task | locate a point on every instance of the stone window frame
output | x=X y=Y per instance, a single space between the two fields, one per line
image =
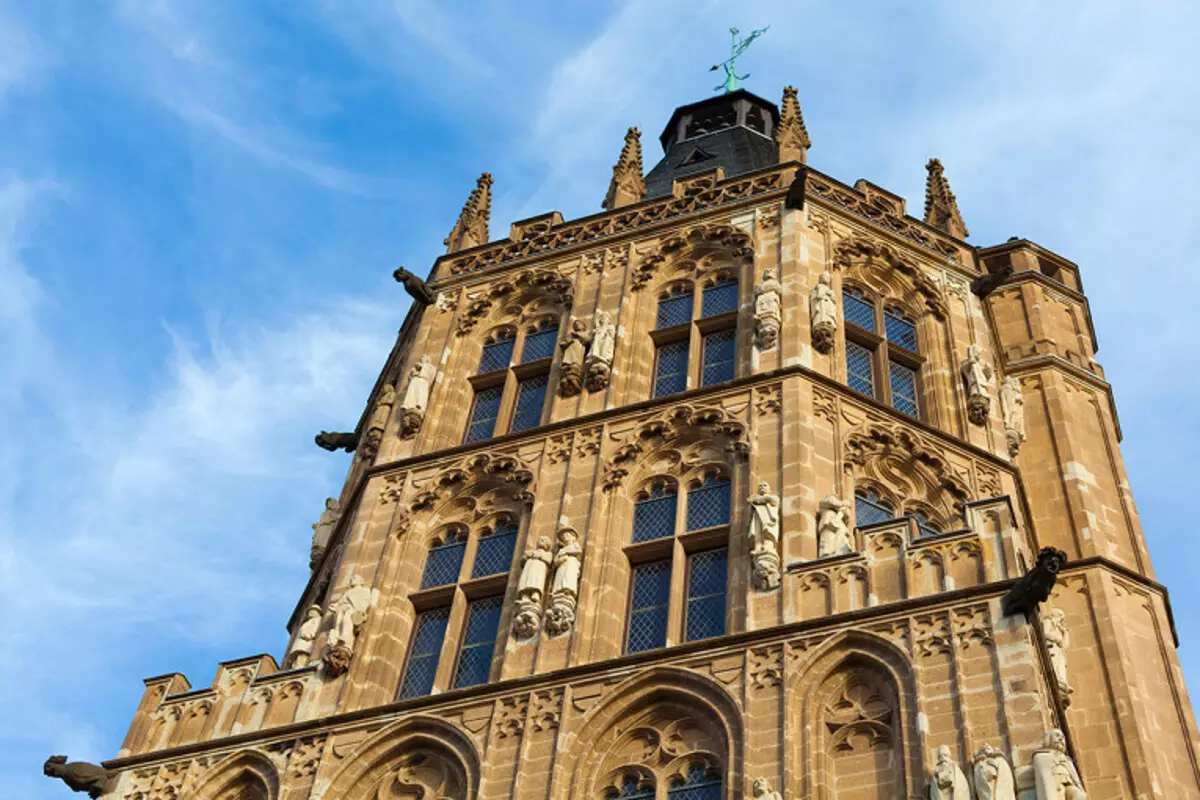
x=509 y=379
x=698 y=327
x=885 y=352
x=927 y=520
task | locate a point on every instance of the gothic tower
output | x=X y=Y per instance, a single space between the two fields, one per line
x=751 y=485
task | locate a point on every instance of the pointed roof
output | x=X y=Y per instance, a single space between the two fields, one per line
x=472 y=226
x=941 y=208
x=791 y=135
x=628 y=184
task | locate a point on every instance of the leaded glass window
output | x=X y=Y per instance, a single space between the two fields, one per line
x=924 y=526
x=900 y=331
x=531 y=397
x=719 y=352
x=869 y=509
x=495 y=550
x=904 y=389
x=857 y=310
x=675 y=308
x=541 y=343
x=700 y=784
x=484 y=413
x=444 y=562
x=479 y=642
x=648 y=605
x=705 y=616
x=632 y=788
x=670 y=373
x=428 y=634
x=654 y=515
x=859 y=370
x=720 y=298
x=498 y=353
x=708 y=504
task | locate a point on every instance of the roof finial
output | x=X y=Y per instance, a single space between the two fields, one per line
x=791 y=135
x=941 y=209
x=628 y=185
x=736 y=48
x=472 y=226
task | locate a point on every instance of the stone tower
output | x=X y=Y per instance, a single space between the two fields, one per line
x=752 y=485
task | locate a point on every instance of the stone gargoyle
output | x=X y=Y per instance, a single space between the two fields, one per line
x=415 y=287
x=1034 y=586
x=331 y=441
x=79 y=776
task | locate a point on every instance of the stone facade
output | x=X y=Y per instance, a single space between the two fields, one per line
x=843 y=679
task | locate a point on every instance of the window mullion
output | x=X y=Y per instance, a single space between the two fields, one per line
x=678 y=602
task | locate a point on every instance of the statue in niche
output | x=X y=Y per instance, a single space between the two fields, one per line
x=574 y=349
x=416 y=396
x=1054 y=773
x=332 y=441
x=564 y=592
x=415 y=287
x=823 y=314
x=1058 y=639
x=600 y=352
x=79 y=776
x=349 y=613
x=379 y=419
x=535 y=568
x=323 y=531
x=762 y=790
x=767 y=309
x=1012 y=407
x=993 y=775
x=978 y=379
x=764 y=533
x=834 y=537
x=949 y=782
x=301 y=652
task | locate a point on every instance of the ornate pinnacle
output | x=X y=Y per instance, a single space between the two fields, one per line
x=472 y=226
x=791 y=135
x=628 y=184
x=941 y=209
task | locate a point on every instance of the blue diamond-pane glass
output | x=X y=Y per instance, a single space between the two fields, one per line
x=484 y=413
x=700 y=785
x=868 y=511
x=708 y=504
x=429 y=633
x=530 y=399
x=719 y=350
x=475 y=658
x=858 y=311
x=497 y=355
x=707 y=572
x=674 y=310
x=859 y=370
x=904 y=389
x=670 y=374
x=925 y=527
x=631 y=789
x=539 y=345
x=900 y=331
x=495 y=552
x=654 y=518
x=719 y=298
x=648 y=606
x=443 y=564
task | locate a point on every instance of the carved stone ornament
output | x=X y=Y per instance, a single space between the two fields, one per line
x=993 y=775
x=415 y=287
x=416 y=396
x=675 y=425
x=721 y=237
x=768 y=315
x=764 y=536
x=301 y=651
x=574 y=347
x=978 y=380
x=948 y=781
x=834 y=536
x=79 y=776
x=379 y=418
x=535 y=568
x=822 y=309
x=598 y=367
x=323 y=531
x=1012 y=407
x=1058 y=639
x=349 y=613
x=761 y=790
x=1054 y=774
x=1035 y=585
x=564 y=592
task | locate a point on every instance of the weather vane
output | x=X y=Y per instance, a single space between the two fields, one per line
x=736 y=48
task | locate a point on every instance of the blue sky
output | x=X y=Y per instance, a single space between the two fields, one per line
x=202 y=201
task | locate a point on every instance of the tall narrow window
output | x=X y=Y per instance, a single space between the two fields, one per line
x=904 y=388
x=719 y=352
x=708 y=503
x=869 y=509
x=859 y=368
x=495 y=550
x=886 y=367
x=654 y=514
x=705 y=325
x=444 y=562
x=700 y=784
x=531 y=398
x=719 y=298
x=428 y=634
x=479 y=642
x=484 y=413
x=670 y=374
x=675 y=307
x=705 y=616
x=540 y=342
x=858 y=310
x=497 y=353
x=648 y=606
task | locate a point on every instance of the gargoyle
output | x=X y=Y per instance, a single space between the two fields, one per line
x=415 y=287
x=986 y=284
x=1035 y=585
x=330 y=441
x=795 y=192
x=79 y=776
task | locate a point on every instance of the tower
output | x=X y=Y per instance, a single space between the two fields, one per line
x=752 y=485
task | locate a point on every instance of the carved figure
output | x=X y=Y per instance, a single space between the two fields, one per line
x=331 y=441
x=79 y=776
x=763 y=791
x=574 y=353
x=834 y=537
x=1058 y=639
x=1035 y=585
x=323 y=530
x=1012 y=407
x=349 y=613
x=823 y=313
x=535 y=568
x=978 y=379
x=379 y=419
x=949 y=782
x=767 y=313
x=415 y=287
x=1054 y=773
x=764 y=533
x=416 y=396
x=302 y=647
x=564 y=592
x=993 y=775
x=600 y=352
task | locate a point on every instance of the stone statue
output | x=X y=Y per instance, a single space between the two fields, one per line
x=330 y=441
x=535 y=568
x=416 y=396
x=823 y=314
x=767 y=309
x=415 y=287
x=564 y=592
x=79 y=776
x=949 y=782
x=978 y=379
x=379 y=419
x=1035 y=585
x=1058 y=639
x=600 y=352
x=323 y=530
x=1054 y=773
x=763 y=791
x=574 y=349
x=834 y=537
x=349 y=613
x=764 y=533
x=301 y=652
x=993 y=775
x=1012 y=407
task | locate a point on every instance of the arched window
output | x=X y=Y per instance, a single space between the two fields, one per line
x=495 y=550
x=634 y=787
x=700 y=783
x=870 y=510
x=444 y=561
x=654 y=513
x=924 y=526
x=708 y=503
x=675 y=306
x=720 y=297
x=706 y=325
x=537 y=343
x=540 y=341
x=883 y=358
x=497 y=350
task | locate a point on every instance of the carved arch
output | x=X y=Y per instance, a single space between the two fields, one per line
x=532 y=292
x=689 y=247
x=248 y=775
x=679 y=439
x=882 y=270
x=898 y=464
x=481 y=484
